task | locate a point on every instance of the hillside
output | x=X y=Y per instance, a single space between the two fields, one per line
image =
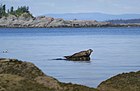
x=94 y=16
x=122 y=82
x=124 y=21
x=16 y=75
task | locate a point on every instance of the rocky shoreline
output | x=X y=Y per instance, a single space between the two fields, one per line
x=27 y=21
x=16 y=75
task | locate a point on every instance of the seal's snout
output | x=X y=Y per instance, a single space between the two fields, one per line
x=90 y=50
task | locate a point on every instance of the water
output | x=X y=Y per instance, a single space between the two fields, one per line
x=115 y=50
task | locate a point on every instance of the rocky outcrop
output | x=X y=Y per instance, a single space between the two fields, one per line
x=26 y=20
x=80 y=56
x=122 y=82
x=9 y=82
x=26 y=70
x=16 y=75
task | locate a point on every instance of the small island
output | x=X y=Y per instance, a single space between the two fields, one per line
x=22 y=18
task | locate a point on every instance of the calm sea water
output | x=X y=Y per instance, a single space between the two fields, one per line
x=115 y=50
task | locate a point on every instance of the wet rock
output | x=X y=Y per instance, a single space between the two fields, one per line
x=80 y=56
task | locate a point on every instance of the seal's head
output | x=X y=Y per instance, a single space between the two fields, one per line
x=90 y=51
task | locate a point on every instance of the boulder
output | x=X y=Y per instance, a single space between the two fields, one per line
x=41 y=21
x=80 y=56
x=57 y=23
x=25 y=17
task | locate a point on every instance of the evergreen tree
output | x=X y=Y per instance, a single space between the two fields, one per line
x=1 y=11
x=19 y=11
x=8 y=11
x=12 y=9
x=4 y=8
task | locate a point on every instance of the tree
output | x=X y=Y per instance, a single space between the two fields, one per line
x=19 y=11
x=8 y=11
x=12 y=9
x=1 y=11
x=4 y=10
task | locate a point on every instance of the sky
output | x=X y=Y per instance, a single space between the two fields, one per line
x=41 y=7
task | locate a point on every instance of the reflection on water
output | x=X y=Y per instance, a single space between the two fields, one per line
x=115 y=50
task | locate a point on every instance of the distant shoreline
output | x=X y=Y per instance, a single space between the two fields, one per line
x=112 y=26
x=22 y=18
x=26 y=21
x=101 y=26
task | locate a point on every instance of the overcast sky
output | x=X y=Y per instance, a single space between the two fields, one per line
x=40 y=7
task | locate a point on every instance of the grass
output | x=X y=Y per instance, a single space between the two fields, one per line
x=16 y=75
x=122 y=82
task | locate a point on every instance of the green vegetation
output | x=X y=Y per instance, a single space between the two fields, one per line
x=75 y=87
x=9 y=82
x=19 y=11
x=122 y=82
x=122 y=21
x=16 y=75
x=3 y=10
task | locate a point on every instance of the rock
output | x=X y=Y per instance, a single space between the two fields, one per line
x=25 y=17
x=84 y=23
x=122 y=82
x=11 y=17
x=80 y=56
x=25 y=69
x=59 y=23
x=27 y=20
x=41 y=21
x=16 y=67
x=16 y=75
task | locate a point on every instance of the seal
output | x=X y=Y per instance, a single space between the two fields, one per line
x=80 y=56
